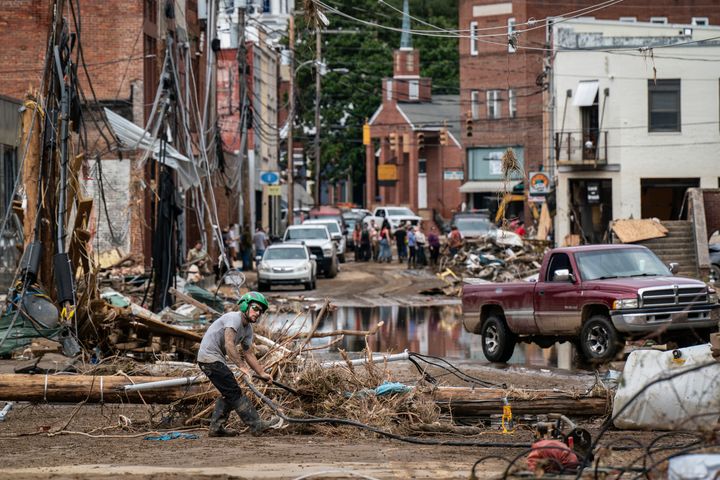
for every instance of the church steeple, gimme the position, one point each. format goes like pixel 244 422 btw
pixel 406 39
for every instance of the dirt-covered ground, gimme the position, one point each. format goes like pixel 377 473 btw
pixel 103 442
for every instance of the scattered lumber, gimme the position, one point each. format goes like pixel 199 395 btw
pixel 467 401
pixel 93 389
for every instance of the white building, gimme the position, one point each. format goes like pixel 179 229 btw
pixel 631 127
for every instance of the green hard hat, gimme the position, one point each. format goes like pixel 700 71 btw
pixel 251 297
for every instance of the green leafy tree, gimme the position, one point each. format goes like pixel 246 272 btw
pixel 357 61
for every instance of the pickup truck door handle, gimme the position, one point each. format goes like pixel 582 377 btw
pixel 541 292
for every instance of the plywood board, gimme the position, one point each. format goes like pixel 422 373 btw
pixel 630 230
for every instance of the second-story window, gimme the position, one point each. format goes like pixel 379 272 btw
pixel 475 104
pixel 473 38
pixel 664 105
pixel 493 104
pixel 660 20
pixel 511 31
pixel 512 104
pixel 700 21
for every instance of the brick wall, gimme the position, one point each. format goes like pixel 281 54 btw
pixel 494 68
pixel 711 200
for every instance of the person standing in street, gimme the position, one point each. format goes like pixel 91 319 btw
pixel 357 238
pixel 385 249
pixel 434 246
pixel 400 242
pixel 220 342
pixel 412 247
pixel 260 240
pixel 420 241
pixel 374 240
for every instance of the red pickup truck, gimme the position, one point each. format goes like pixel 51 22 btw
pixel 593 296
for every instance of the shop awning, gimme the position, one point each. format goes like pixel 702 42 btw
pixel 585 93
pixel 479 186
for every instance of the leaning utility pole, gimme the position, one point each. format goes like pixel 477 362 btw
pixel 291 122
pixel 244 112
pixel 318 53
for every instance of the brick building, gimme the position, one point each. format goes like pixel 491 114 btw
pixel 504 85
pixel 413 152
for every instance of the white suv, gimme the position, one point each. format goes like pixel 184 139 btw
pixel 336 233
pixel 319 242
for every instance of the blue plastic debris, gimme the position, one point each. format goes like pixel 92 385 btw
pixel 172 436
pixel 388 388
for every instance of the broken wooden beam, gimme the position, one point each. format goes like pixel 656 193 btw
pixel 467 401
pixel 195 303
pixel 93 389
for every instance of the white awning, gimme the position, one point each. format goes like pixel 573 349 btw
pixel 585 93
pixel 480 186
pixel 133 137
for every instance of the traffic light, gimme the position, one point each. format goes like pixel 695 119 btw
pixel 468 125
pixel 393 141
pixel 420 140
pixel 443 136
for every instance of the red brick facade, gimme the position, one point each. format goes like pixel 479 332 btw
pixel 494 68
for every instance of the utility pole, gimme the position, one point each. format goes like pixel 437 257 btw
pixel 291 122
pixel 318 55
pixel 244 112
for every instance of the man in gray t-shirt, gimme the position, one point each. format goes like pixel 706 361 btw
pixel 220 341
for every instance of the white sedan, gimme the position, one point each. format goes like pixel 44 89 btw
pixel 286 264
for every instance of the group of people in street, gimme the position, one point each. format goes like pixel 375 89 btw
pixel 412 245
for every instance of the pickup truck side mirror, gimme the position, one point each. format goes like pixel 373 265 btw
pixel 674 267
pixel 258 258
pixel 313 257
pixel 563 275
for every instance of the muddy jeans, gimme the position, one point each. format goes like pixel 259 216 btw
pixel 223 379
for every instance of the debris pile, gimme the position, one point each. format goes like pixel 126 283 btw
pixel 501 257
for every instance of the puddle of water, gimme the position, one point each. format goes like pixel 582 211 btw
pixel 435 331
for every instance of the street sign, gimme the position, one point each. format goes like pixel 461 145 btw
pixel 269 178
pixel 453 175
pixel 274 190
pixel 539 183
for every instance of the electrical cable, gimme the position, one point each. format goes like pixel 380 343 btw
pixel 451 368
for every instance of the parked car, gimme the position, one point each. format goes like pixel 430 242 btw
pixel 715 261
pixel 286 264
pixel 593 296
pixel 319 242
pixel 335 232
pixel 394 215
pixel 473 225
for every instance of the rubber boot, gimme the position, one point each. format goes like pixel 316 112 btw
pixel 219 418
pixel 250 417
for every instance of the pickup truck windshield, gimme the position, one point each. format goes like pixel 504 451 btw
pixel 306 234
pixel 398 212
pixel 630 262
pixel 332 227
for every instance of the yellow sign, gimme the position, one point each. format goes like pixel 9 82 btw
pixel 387 173
pixel 274 190
pixel 366 134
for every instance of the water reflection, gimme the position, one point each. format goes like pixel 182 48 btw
pixel 436 331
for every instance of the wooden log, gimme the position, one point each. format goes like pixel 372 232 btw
pixel 188 299
pixel 77 388
pixel 488 401
pixel 154 324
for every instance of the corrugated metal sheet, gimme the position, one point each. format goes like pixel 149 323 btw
pixel 9 121
pixel 133 137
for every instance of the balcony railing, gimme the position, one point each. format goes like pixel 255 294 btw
pixel 588 147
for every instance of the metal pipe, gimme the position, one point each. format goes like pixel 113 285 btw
pixel 361 361
pixel 6 410
pixel 173 382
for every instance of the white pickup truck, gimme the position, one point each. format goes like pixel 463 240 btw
pixel 394 215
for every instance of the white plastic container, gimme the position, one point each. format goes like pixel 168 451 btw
pixel 694 467
pixel 685 402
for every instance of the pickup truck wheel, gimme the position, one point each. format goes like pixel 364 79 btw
pixel 599 340
pixel 498 342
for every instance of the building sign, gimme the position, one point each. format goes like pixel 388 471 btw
pixel 539 183
pixel 453 175
pixel 387 172
pixel 366 134
pixel 274 190
pixel 269 178
pixel 593 193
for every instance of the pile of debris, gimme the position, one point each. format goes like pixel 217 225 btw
pixel 501 257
